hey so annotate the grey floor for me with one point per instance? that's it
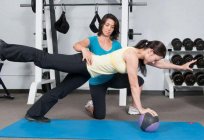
(182, 108)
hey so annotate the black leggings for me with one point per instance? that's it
(66, 63)
(98, 92)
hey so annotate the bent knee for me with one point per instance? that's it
(99, 116)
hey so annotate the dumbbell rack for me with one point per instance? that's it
(169, 85)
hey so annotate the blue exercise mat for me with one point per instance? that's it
(102, 129)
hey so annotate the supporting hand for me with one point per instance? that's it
(87, 55)
(148, 110)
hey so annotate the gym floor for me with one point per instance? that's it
(183, 108)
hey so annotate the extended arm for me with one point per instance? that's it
(165, 64)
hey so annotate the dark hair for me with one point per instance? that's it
(158, 48)
(115, 33)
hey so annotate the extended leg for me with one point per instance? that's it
(60, 62)
(49, 99)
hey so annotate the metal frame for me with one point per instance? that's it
(38, 44)
(92, 4)
(124, 43)
(54, 45)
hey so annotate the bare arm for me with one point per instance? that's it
(132, 66)
(165, 64)
(82, 46)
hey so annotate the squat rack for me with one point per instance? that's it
(126, 6)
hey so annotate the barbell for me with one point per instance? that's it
(131, 33)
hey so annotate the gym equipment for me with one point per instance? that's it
(46, 87)
(97, 18)
(131, 33)
(200, 60)
(177, 59)
(189, 78)
(130, 4)
(199, 44)
(200, 78)
(7, 95)
(188, 44)
(61, 25)
(148, 123)
(177, 44)
(100, 129)
(33, 5)
(188, 58)
(177, 78)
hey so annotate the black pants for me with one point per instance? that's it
(98, 92)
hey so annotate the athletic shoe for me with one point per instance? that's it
(133, 110)
(37, 119)
(89, 107)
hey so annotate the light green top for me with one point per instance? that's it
(108, 64)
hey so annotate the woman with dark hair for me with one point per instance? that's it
(105, 42)
(125, 60)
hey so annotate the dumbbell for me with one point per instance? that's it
(188, 44)
(199, 44)
(188, 58)
(189, 78)
(131, 33)
(177, 59)
(177, 78)
(200, 60)
(176, 43)
(200, 78)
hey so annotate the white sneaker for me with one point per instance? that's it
(89, 103)
(89, 107)
(133, 111)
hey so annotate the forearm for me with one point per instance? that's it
(79, 47)
(164, 64)
(136, 95)
(169, 65)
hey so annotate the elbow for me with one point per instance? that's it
(75, 46)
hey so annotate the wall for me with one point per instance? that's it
(160, 20)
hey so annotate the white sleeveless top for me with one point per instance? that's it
(108, 64)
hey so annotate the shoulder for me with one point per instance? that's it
(91, 38)
(116, 43)
(130, 54)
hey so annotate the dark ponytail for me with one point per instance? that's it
(142, 44)
(158, 48)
